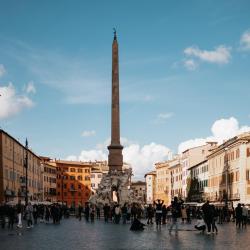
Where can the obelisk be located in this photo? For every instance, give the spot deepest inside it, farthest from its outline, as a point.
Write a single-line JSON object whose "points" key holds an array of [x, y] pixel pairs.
{"points": [[115, 158]]}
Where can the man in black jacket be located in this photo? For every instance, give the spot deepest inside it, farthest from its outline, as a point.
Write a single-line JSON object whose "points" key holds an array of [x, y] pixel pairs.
{"points": [[208, 215]]}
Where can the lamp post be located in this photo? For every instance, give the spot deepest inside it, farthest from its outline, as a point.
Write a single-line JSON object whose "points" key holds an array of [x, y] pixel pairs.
{"points": [[26, 172], [226, 168], [62, 178]]}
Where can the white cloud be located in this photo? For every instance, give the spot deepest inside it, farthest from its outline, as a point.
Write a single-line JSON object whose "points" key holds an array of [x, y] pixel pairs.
{"points": [[11, 103], [30, 88], [190, 64], [220, 55], [141, 158], [222, 129], [88, 133], [162, 117], [165, 115], [245, 41], [2, 70]]}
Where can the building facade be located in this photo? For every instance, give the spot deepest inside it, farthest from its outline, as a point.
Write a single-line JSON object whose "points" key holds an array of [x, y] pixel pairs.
{"points": [[48, 180], [73, 184], [162, 182], [190, 158], [198, 182], [176, 175], [150, 179], [98, 169], [229, 168], [13, 171], [139, 189]]}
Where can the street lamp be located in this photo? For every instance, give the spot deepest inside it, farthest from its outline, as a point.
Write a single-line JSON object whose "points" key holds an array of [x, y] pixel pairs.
{"points": [[62, 183], [226, 168], [26, 173]]}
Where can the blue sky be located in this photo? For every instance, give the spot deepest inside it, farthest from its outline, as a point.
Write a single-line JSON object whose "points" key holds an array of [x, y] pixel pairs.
{"points": [[183, 66]]}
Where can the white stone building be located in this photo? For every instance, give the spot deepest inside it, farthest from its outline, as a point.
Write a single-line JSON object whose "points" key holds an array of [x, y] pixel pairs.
{"points": [[150, 179]]}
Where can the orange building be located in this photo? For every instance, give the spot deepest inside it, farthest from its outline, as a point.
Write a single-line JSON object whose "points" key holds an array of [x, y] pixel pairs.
{"points": [[73, 185]]}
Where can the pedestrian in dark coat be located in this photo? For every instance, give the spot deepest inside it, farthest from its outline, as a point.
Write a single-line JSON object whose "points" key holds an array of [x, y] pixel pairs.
{"points": [[208, 215], [238, 215]]}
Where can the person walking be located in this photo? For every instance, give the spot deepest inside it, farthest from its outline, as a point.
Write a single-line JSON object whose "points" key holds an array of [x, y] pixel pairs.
{"points": [[244, 215], [133, 211], [164, 214], [92, 213], [214, 219], [11, 217], [129, 212], [188, 210], [175, 210], [183, 214], [124, 210], [86, 212], [98, 212], [80, 212], [158, 211], [106, 211], [47, 214], [238, 215], [117, 214], [150, 214], [19, 214], [35, 213], [208, 216], [29, 214]]}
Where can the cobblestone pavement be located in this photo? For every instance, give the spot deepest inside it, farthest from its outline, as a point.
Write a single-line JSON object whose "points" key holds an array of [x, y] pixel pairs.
{"points": [[74, 234]]}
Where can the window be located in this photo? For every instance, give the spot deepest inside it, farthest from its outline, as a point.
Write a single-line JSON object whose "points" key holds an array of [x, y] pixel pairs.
{"points": [[79, 177], [72, 177], [99, 176], [65, 194], [237, 175], [86, 170], [79, 170], [72, 170], [79, 186], [64, 185], [237, 153], [247, 175], [87, 178], [248, 152], [92, 175]]}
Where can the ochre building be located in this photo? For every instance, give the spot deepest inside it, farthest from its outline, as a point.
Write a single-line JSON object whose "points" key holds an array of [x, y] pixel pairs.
{"points": [[13, 171]]}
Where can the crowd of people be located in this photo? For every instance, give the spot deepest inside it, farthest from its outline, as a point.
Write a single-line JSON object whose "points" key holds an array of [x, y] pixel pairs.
{"points": [[31, 214], [206, 216]]}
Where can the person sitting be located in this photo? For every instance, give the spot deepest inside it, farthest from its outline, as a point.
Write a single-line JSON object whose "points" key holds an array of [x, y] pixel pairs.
{"points": [[137, 225], [200, 224]]}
